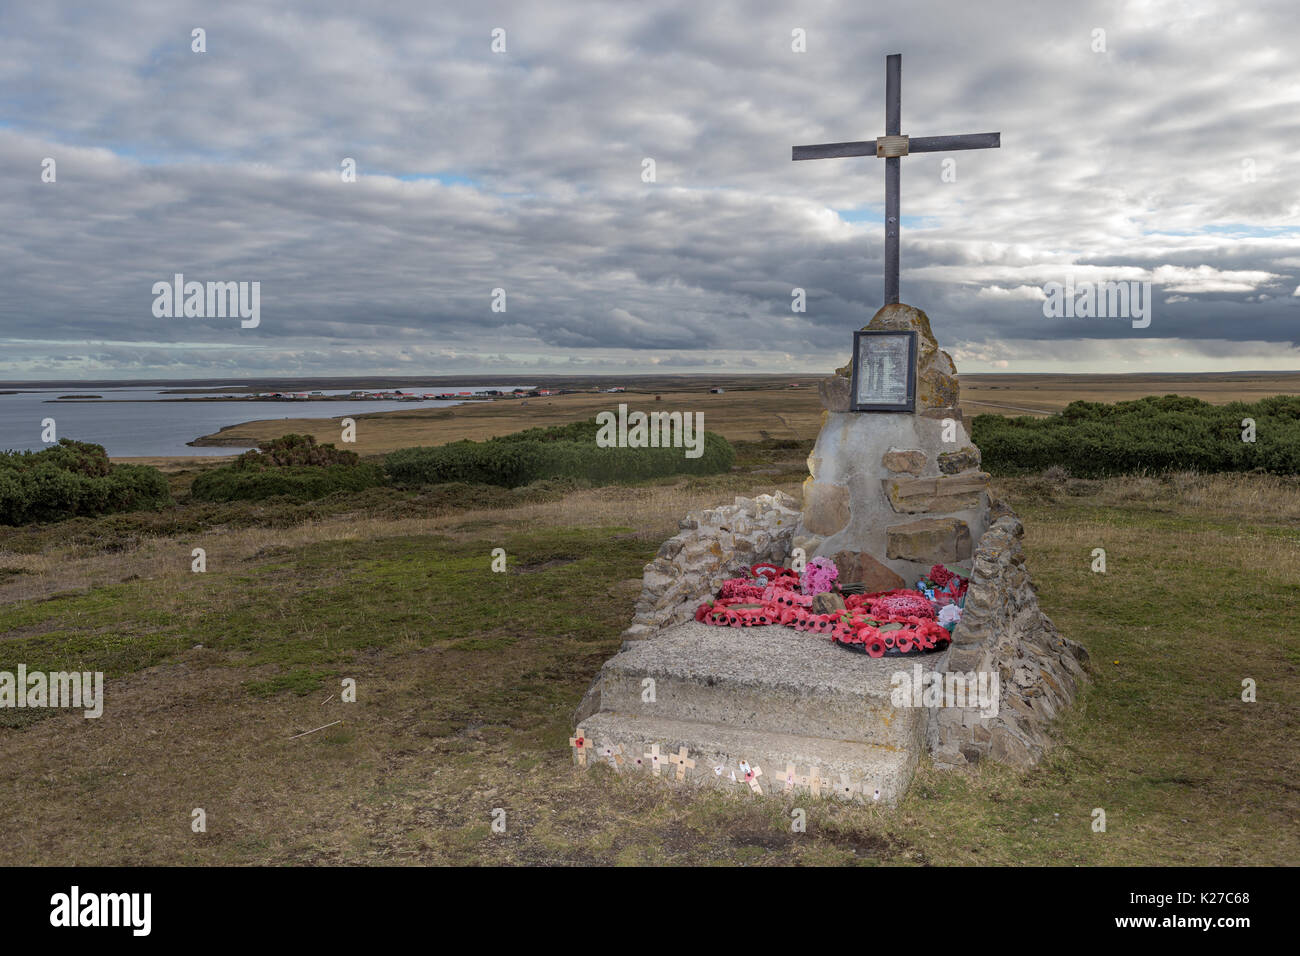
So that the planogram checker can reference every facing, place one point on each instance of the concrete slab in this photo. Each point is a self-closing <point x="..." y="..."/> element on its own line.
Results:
<point x="771" y="678"/>
<point x="770" y="696"/>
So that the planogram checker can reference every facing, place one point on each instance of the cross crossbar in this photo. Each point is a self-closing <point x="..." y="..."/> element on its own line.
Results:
<point x="894" y="150"/>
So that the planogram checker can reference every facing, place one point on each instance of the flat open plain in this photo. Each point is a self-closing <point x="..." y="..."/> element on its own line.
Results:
<point x="750" y="408"/>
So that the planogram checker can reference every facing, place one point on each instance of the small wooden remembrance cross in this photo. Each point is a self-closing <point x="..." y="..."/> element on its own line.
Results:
<point x="891" y="147"/>
<point x="683" y="761"/>
<point x="813" y="781"/>
<point x="656" y="758"/>
<point x="580" y="743"/>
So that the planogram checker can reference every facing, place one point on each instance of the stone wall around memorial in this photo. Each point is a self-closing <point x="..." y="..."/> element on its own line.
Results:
<point x="713" y="544"/>
<point x="1004" y="631"/>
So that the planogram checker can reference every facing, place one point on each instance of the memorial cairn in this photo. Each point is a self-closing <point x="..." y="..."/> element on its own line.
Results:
<point x="820" y="651"/>
<point x="817" y="651"/>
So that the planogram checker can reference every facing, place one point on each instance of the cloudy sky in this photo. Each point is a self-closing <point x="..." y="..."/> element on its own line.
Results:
<point x="1148" y="141"/>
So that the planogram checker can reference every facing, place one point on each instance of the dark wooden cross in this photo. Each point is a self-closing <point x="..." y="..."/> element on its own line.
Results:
<point x="891" y="147"/>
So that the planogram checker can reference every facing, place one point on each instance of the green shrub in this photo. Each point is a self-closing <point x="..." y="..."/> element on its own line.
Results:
<point x="79" y="457"/>
<point x="1151" y="435"/>
<point x="292" y="466"/>
<point x="299" y="482"/>
<point x="289" y="450"/>
<point x="73" y="478"/>
<point x="575" y="431"/>
<point x="566" y="451"/>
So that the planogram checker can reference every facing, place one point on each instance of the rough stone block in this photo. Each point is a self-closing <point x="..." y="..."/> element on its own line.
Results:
<point x="929" y="541"/>
<point x="670" y="548"/>
<point x="828" y="602"/>
<point x="897" y="317"/>
<point x="858" y="567"/>
<point x="826" y="507"/>
<point x="947" y="759"/>
<point x="1010" y="525"/>
<point x="1005" y="747"/>
<point x="656" y="580"/>
<point x="971" y="481"/>
<point x="936" y="382"/>
<point x="904" y="460"/>
<point x="953" y="462"/>
<point x="944" y="494"/>
<point x="836" y="393"/>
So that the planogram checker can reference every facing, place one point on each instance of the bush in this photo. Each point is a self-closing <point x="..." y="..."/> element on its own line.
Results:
<point x="292" y="466"/>
<point x="73" y="478"/>
<point x="1149" y="435"/>
<point x="566" y="451"/>
<point x="576" y="431"/>
<point x="299" y="482"/>
<point x="289" y="450"/>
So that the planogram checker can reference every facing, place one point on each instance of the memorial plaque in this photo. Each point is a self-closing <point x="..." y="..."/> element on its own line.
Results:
<point x="884" y="371"/>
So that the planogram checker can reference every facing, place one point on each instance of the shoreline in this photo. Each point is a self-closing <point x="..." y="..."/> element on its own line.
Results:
<point x="97" y="400"/>
<point x="219" y="438"/>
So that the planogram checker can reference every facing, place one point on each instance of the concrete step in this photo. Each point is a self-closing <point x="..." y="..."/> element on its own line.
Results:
<point x="869" y="773"/>
<point x="773" y="679"/>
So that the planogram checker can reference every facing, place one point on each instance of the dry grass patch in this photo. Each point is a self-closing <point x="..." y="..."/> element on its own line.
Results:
<point x="736" y="415"/>
<point x="652" y="509"/>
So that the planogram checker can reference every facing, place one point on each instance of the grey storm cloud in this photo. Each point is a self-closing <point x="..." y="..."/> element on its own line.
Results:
<point x="1167" y="157"/>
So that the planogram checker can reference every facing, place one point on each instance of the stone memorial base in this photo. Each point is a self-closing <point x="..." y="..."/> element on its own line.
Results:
<point x="790" y="702"/>
<point x="770" y="698"/>
<point x="877" y="487"/>
<point x="894" y="493"/>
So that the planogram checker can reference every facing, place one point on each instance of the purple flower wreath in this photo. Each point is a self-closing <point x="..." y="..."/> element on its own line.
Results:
<point x="818" y="576"/>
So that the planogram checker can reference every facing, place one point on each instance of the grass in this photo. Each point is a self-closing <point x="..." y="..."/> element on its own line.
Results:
<point x="331" y="602"/>
<point x="466" y="680"/>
